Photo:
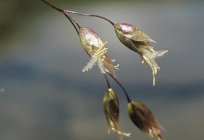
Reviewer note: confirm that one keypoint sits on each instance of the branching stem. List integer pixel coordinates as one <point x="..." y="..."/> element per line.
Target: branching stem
<point x="91" y="15"/>
<point x="107" y="81"/>
<point x="121" y="86"/>
<point x="73" y="22"/>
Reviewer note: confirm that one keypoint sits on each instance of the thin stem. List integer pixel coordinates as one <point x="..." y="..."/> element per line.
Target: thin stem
<point x="121" y="86"/>
<point x="92" y="15"/>
<point x="73" y="22"/>
<point x="54" y="7"/>
<point x="108" y="83"/>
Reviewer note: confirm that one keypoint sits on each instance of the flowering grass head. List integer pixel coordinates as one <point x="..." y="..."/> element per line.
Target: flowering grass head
<point x="111" y="110"/>
<point x="97" y="50"/>
<point x="140" y="43"/>
<point x="135" y="40"/>
<point x="143" y="118"/>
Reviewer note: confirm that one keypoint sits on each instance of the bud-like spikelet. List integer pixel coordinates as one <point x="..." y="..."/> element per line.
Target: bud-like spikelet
<point x="143" y="118"/>
<point x="96" y="49"/>
<point x="139" y="42"/>
<point x="111" y="110"/>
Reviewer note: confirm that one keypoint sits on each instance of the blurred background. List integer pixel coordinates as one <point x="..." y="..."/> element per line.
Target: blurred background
<point x="44" y="95"/>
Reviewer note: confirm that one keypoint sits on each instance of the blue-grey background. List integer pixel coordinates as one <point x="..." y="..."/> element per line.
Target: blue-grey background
<point x="45" y="96"/>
